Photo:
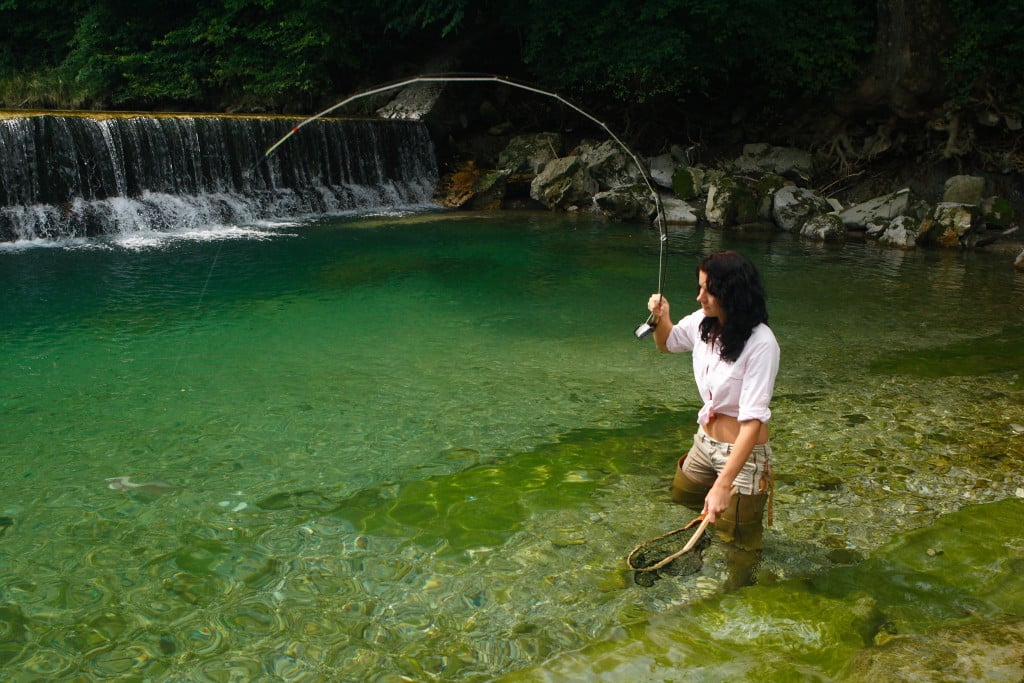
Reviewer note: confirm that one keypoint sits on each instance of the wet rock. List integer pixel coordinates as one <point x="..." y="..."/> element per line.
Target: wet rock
<point x="662" y="169"/>
<point x="678" y="212"/>
<point x="792" y="206"/>
<point x="826" y="227"/>
<point x="902" y="232"/>
<point x="629" y="203"/>
<point x="609" y="165"/>
<point x="874" y="211"/>
<point x="969" y="652"/>
<point x="474" y="188"/>
<point x="952" y="225"/>
<point x="687" y="183"/>
<point x="564" y="183"/>
<point x="764" y="193"/>
<point x="730" y="203"/>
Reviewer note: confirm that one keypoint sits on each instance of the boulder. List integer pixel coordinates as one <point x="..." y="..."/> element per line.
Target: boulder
<point x="530" y="153"/>
<point x="662" y="169"/>
<point x="564" y="183"/>
<point x="764" y="192"/>
<point x="412" y="102"/>
<point x="952" y="225"/>
<point x="610" y="165"/>
<point x="688" y="182"/>
<point x="964" y="189"/>
<point x="792" y="206"/>
<point x="627" y="203"/>
<point x="826" y="227"/>
<point x="471" y="187"/>
<point x="902" y="232"/>
<point x="785" y="161"/>
<point x="679" y="212"/>
<point x="876" y="211"/>
<point x="729" y="203"/>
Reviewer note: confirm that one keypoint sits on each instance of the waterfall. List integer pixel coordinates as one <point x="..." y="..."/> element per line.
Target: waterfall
<point x="76" y="176"/>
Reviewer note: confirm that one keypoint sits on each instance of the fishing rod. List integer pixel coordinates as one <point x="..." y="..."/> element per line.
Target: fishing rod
<point x="644" y="328"/>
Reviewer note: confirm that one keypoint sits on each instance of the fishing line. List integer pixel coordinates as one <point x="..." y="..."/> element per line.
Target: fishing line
<point x="199" y="303"/>
<point x="644" y="328"/>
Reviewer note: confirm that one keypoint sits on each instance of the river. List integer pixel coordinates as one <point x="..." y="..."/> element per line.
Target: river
<point x="418" y="446"/>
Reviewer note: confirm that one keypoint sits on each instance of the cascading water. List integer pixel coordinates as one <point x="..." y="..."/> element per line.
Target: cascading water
<point x="73" y="176"/>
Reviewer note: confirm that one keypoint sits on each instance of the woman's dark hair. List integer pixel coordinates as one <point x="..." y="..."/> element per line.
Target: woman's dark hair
<point x="734" y="282"/>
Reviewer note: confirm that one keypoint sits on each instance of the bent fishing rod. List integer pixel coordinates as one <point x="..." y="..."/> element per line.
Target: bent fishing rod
<point x="644" y="328"/>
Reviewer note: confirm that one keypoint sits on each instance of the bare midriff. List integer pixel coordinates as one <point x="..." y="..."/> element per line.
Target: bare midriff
<point x="726" y="428"/>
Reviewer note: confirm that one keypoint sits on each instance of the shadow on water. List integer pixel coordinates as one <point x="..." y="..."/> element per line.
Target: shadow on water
<point x="995" y="353"/>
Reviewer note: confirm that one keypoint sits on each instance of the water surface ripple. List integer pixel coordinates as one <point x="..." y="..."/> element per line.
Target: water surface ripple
<point x="420" y="449"/>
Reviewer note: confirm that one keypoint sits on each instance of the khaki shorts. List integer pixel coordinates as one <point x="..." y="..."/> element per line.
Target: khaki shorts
<point x="741" y="522"/>
<point x="708" y="457"/>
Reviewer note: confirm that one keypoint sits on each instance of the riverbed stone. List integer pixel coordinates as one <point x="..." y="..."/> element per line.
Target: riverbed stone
<point x="977" y="651"/>
<point x="826" y="227"/>
<point x="792" y="206"/>
<point x="964" y="189"/>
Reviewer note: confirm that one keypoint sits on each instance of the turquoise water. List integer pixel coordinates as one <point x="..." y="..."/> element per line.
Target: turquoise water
<point x="422" y="446"/>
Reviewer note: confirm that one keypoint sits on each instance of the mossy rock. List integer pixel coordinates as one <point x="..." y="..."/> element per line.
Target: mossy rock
<point x="686" y="183"/>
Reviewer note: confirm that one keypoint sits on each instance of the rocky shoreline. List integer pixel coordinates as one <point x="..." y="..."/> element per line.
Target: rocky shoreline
<point x="765" y="189"/>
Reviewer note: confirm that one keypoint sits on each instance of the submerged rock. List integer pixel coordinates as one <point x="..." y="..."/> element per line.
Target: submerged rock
<point x="968" y="652"/>
<point x="155" y="487"/>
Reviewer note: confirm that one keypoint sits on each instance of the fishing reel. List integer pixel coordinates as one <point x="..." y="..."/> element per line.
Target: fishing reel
<point x="645" y="329"/>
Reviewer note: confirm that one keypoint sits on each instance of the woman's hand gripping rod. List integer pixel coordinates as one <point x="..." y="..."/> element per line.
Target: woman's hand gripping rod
<point x="647" y="327"/>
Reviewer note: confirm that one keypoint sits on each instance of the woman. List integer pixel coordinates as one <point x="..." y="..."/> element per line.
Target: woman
<point x="727" y="474"/>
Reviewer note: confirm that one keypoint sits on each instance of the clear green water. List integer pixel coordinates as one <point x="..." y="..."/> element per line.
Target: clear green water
<point x="420" y="448"/>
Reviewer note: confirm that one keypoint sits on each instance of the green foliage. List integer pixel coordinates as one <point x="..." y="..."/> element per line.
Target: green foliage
<point x="35" y="33"/>
<point x="633" y="50"/>
<point x="408" y="16"/>
<point x="989" y="49"/>
<point x="275" y="54"/>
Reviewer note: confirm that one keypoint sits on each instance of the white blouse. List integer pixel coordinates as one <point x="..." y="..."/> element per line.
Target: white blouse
<point x="742" y="389"/>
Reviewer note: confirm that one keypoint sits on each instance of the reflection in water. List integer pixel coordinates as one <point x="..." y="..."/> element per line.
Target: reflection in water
<point x="424" y="448"/>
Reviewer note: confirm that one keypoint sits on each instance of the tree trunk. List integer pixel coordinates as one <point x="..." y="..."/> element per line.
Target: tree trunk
<point x="905" y="76"/>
